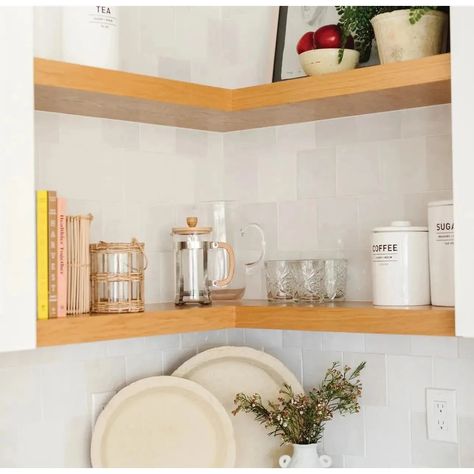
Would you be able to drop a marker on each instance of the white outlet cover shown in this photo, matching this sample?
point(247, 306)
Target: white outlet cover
point(441, 415)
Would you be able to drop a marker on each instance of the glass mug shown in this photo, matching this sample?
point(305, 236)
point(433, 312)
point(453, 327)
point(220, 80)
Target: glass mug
point(227, 226)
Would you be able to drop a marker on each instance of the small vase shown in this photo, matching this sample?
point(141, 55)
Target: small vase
point(305, 455)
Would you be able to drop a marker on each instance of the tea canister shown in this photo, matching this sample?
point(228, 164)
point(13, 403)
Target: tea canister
point(441, 251)
point(400, 265)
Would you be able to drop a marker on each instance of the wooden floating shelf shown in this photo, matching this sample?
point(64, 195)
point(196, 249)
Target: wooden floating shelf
point(83, 90)
point(167, 319)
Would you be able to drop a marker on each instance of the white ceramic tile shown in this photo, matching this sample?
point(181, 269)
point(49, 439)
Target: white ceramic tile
point(155, 29)
point(404, 165)
point(428, 453)
point(157, 138)
point(316, 173)
point(382, 126)
point(358, 169)
point(77, 442)
point(343, 341)
point(158, 222)
point(176, 69)
point(377, 211)
point(352, 442)
point(434, 120)
point(315, 365)
point(203, 340)
point(439, 162)
point(373, 377)
point(387, 344)
point(173, 358)
point(336, 131)
point(9, 446)
point(63, 390)
point(290, 357)
point(408, 377)
point(416, 205)
point(359, 275)
point(456, 374)
point(434, 346)
point(191, 142)
point(296, 137)
point(466, 347)
point(159, 343)
point(120, 134)
point(387, 432)
point(119, 347)
point(297, 225)
point(138, 366)
point(20, 401)
point(103, 375)
point(166, 277)
point(46, 127)
point(235, 337)
point(302, 339)
point(79, 130)
point(337, 223)
point(263, 338)
point(466, 442)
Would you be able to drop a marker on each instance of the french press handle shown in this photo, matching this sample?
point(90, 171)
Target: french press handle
point(230, 251)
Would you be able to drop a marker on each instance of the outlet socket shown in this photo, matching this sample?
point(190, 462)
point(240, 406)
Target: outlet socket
point(441, 415)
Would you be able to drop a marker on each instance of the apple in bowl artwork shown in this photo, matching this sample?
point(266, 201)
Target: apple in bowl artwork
point(318, 51)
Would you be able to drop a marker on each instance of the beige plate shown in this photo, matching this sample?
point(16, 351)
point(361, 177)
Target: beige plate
point(163, 422)
point(225, 371)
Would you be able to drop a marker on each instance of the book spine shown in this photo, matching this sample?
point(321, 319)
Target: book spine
point(61, 263)
point(42, 253)
point(52, 254)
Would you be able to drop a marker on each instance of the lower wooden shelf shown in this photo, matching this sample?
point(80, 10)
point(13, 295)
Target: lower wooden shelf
point(166, 318)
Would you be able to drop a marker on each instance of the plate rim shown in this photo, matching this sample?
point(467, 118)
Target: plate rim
point(167, 381)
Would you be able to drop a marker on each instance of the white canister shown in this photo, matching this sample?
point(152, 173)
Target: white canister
point(441, 245)
point(400, 267)
point(91, 36)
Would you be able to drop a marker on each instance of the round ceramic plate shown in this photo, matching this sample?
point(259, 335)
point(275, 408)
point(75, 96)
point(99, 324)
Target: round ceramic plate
point(163, 422)
point(226, 371)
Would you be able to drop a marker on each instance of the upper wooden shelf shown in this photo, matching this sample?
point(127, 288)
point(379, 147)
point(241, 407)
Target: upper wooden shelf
point(168, 319)
point(83, 90)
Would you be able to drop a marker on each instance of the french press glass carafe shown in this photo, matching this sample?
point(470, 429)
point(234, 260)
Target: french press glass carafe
point(192, 245)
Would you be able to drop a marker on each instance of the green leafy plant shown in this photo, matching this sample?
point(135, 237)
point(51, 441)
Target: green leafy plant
point(300, 418)
point(355, 21)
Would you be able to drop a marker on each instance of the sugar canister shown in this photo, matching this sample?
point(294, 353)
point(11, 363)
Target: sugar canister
point(400, 265)
point(441, 248)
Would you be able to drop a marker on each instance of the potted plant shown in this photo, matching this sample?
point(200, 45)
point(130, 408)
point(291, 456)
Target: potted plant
point(299, 419)
point(402, 33)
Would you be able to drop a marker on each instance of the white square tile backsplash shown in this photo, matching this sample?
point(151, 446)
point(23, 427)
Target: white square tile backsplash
point(316, 189)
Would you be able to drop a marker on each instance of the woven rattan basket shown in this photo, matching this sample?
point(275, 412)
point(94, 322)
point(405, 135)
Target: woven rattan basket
point(117, 277)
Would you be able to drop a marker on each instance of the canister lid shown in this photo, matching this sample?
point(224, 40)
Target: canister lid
point(448, 202)
point(401, 226)
point(191, 229)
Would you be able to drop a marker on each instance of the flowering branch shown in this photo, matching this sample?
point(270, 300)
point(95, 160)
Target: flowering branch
point(300, 418)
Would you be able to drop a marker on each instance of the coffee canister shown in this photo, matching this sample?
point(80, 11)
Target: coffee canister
point(441, 249)
point(400, 265)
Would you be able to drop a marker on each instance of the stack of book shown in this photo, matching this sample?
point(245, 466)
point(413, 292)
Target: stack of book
point(62, 253)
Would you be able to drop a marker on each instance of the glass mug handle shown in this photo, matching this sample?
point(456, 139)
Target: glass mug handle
point(249, 266)
point(228, 248)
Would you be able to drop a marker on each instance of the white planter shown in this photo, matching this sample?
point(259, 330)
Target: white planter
point(399, 40)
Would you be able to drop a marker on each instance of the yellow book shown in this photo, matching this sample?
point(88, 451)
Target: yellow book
point(42, 253)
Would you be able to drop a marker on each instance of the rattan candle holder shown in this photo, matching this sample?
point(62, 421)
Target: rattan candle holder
point(117, 277)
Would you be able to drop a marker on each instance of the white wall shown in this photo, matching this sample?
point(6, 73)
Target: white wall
point(375, 168)
point(17, 200)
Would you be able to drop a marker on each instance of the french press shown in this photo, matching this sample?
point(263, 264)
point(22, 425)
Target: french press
point(192, 245)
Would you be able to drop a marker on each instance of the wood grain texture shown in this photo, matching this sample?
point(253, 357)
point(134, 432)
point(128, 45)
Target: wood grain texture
point(167, 319)
point(84, 90)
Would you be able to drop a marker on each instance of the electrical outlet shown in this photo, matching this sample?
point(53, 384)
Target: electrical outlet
point(98, 402)
point(441, 415)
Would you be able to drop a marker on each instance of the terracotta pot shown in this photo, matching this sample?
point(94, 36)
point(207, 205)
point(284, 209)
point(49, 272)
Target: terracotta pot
point(399, 40)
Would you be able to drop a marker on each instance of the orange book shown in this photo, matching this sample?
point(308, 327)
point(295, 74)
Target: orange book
point(42, 253)
point(61, 263)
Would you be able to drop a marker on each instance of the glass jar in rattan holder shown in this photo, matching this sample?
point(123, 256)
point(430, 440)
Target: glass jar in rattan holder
point(117, 277)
